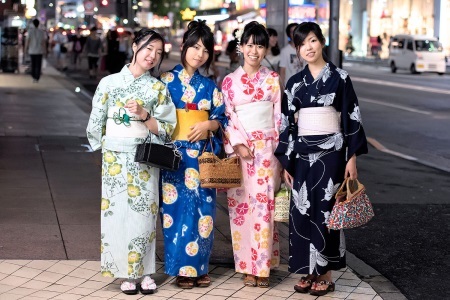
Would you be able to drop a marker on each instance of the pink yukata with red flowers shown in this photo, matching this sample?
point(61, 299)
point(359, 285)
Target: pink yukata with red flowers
point(251, 206)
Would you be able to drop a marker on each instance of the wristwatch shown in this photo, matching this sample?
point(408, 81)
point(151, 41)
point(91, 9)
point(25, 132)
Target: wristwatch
point(147, 118)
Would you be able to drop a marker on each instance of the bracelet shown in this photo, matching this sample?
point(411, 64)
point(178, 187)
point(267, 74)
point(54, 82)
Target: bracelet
point(147, 118)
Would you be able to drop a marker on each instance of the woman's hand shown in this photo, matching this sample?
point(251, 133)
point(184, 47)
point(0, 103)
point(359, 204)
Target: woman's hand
point(135, 108)
point(243, 152)
point(288, 179)
point(198, 131)
point(350, 168)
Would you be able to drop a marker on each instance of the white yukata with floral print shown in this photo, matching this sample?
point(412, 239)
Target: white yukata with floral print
point(130, 197)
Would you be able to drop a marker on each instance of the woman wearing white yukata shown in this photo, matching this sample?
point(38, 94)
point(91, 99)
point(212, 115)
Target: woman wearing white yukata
point(317, 152)
point(126, 108)
point(253, 106)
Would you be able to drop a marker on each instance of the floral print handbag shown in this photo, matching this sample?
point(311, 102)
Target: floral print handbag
point(352, 207)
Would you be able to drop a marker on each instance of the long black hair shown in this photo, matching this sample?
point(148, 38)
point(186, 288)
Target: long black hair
point(198, 30)
point(302, 31)
point(141, 42)
point(258, 32)
point(275, 49)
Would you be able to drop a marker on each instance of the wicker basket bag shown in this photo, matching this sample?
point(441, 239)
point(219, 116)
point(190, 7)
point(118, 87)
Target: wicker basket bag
point(219, 173)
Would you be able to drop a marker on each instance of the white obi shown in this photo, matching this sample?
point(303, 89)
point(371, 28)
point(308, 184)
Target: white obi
point(318, 121)
point(117, 128)
point(255, 115)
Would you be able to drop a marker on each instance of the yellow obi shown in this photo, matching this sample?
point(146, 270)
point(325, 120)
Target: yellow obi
point(185, 120)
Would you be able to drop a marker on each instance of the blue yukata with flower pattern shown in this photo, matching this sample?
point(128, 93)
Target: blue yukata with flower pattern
point(317, 163)
point(187, 210)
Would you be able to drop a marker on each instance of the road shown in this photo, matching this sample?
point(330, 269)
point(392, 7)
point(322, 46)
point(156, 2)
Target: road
point(408, 117)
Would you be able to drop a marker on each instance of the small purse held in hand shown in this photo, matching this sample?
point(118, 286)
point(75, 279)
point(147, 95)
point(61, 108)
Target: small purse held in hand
point(352, 207)
point(160, 156)
point(282, 204)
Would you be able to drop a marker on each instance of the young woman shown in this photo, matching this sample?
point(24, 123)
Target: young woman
point(126, 108)
point(272, 59)
point(188, 211)
point(253, 107)
point(316, 153)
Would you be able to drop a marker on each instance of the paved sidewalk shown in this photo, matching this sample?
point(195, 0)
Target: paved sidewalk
point(49, 221)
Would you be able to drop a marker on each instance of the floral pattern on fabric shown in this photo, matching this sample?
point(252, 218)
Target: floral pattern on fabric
point(187, 210)
point(251, 207)
point(317, 163)
point(129, 189)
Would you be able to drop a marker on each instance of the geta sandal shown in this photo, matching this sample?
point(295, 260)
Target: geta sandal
point(147, 286)
point(203, 281)
point(185, 282)
point(129, 288)
point(250, 280)
point(309, 280)
point(262, 282)
point(330, 288)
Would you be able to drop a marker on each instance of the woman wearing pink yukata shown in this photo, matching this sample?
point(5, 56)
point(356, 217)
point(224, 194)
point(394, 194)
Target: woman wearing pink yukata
point(253, 107)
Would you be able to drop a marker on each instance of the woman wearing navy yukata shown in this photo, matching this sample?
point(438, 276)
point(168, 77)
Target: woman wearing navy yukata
point(317, 152)
point(187, 209)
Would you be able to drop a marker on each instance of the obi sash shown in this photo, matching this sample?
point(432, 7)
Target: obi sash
point(122, 123)
point(318, 121)
point(255, 115)
point(185, 120)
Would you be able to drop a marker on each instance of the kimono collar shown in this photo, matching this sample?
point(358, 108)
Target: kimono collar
point(128, 77)
point(324, 74)
point(261, 73)
point(184, 75)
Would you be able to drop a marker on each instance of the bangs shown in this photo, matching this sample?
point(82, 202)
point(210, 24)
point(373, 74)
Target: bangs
point(258, 37)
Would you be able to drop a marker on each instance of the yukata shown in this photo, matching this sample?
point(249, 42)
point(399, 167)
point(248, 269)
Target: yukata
point(253, 108)
point(187, 210)
point(130, 194)
point(317, 162)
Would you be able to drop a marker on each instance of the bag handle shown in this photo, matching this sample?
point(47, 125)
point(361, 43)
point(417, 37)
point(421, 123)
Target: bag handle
point(354, 187)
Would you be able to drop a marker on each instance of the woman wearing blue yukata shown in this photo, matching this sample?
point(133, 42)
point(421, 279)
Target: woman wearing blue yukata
point(317, 152)
point(126, 108)
point(187, 210)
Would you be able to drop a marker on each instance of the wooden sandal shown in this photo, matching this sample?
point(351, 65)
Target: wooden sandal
point(250, 280)
point(309, 280)
point(262, 282)
point(203, 281)
point(330, 288)
point(185, 282)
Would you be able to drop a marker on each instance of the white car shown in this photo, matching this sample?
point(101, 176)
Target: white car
point(416, 53)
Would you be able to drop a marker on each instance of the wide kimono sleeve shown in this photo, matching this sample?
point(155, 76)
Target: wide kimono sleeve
point(164, 112)
point(235, 132)
point(217, 112)
point(351, 121)
point(97, 120)
point(276, 99)
point(288, 129)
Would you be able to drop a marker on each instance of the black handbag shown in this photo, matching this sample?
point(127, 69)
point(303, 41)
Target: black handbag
point(160, 156)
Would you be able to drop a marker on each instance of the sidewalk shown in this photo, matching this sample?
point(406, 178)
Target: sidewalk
point(50, 222)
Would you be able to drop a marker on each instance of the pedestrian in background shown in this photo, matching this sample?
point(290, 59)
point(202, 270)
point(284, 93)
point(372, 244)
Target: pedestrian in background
point(272, 59)
point(290, 62)
point(317, 152)
point(188, 210)
point(233, 54)
point(93, 49)
point(128, 107)
point(35, 47)
point(77, 48)
point(60, 49)
point(253, 107)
